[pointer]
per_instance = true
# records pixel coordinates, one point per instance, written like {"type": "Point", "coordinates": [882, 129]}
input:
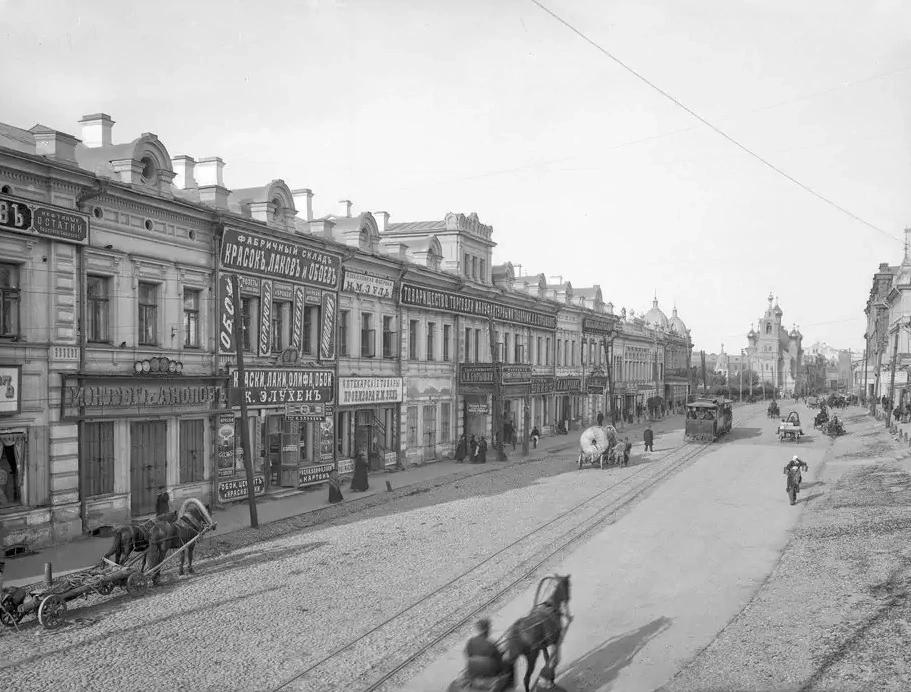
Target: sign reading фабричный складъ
{"type": "Point", "coordinates": [469, 305]}
{"type": "Point", "coordinates": [290, 261]}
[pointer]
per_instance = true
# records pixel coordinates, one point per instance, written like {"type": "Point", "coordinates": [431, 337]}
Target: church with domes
{"type": "Point", "coordinates": [773, 352]}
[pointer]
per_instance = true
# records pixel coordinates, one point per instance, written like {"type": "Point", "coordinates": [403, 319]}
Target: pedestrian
{"type": "Point", "coordinates": [482, 450]}
{"type": "Point", "coordinates": [359, 481]}
{"type": "Point", "coordinates": [473, 450]}
{"type": "Point", "coordinates": [335, 490]}
{"type": "Point", "coordinates": [162, 503]}
{"type": "Point", "coordinates": [461, 449]}
{"type": "Point", "coordinates": [627, 447]}
{"type": "Point", "coordinates": [535, 436]}
{"type": "Point", "coordinates": [600, 419]}
{"type": "Point", "coordinates": [648, 437]}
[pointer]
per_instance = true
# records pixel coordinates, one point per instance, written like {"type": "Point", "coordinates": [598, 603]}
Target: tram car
{"type": "Point", "coordinates": [707, 419]}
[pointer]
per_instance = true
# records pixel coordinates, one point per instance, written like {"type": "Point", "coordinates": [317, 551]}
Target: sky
{"type": "Point", "coordinates": [583, 170]}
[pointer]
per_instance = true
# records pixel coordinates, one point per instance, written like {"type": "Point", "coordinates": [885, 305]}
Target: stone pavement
{"type": "Point", "coordinates": [87, 551]}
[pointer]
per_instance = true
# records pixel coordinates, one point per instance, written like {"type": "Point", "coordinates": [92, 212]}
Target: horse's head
{"type": "Point", "coordinates": [198, 512]}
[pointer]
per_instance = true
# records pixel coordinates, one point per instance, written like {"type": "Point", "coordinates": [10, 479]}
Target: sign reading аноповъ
{"type": "Point", "coordinates": [285, 260]}
{"type": "Point", "coordinates": [420, 296]}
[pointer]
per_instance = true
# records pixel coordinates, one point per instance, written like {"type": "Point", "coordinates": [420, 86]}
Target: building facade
{"type": "Point", "coordinates": [134, 282]}
{"type": "Point", "coordinates": [774, 353]}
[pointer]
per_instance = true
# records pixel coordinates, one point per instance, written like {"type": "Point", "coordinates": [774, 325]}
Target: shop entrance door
{"type": "Point", "coordinates": [148, 464]}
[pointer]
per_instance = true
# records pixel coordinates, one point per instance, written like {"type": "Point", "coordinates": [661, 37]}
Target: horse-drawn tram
{"type": "Point", "coordinates": [708, 419]}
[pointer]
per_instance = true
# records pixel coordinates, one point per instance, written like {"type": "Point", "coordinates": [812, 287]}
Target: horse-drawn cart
{"type": "Point", "coordinates": [598, 446]}
{"type": "Point", "coordinates": [789, 428]}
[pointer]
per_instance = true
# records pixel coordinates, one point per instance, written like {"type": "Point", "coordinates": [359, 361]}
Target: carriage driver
{"type": "Point", "coordinates": [484, 658]}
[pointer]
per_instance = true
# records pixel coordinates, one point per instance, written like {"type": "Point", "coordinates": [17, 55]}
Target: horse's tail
{"type": "Point", "coordinates": [199, 505]}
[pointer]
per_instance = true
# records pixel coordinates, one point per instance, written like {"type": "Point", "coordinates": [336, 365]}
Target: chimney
{"type": "Point", "coordinates": [184, 169]}
{"type": "Point", "coordinates": [209, 171]}
{"type": "Point", "coordinates": [303, 201]}
{"type": "Point", "coordinates": [96, 130]}
{"type": "Point", "coordinates": [55, 145]}
{"type": "Point", "coordinates": [382, 220]}
{"type": "Point", "coordinates": [346, 207]}
{"type": "Point", "coordinates": [211, 183]}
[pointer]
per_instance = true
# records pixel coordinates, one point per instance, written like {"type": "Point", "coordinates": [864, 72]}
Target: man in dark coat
{"type": "Point", "coordinates": [649, 438]}
{"type": "Point", "coordinates": [482, 450]}
{"type": "Point", "coordinates": [600, 419]}
{"type": "Point", "coordinates": [461, 449]}
{"type": "Point", "coordinates": [484, 658]}
{"type": "Point", "coordinates": [627, 447]}
{"type": "Point", "coordinates": [473, 450]}
{"type": "Point", "coordinates": [359, 481]}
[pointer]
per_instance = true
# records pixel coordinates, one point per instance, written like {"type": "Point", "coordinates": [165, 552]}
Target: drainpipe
{"type": "Point", "coordinates": [400, 455]}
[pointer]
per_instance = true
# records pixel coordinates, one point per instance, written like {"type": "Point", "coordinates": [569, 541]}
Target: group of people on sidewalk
{"type": "Point", "coordinates": [472, 450]}
{"type": "Point", "coordinates": [359, 482]}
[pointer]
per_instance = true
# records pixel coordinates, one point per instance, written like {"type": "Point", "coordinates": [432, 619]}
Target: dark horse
{"type": "Point", "coordinates": [193, 519]}
{"type": "Point", "coordinates": [130, 539]}
{"type": "Point", "coordinates": [541, 631]}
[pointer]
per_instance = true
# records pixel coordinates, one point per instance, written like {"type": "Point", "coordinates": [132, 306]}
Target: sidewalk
{"type": "Point", "coordinates": [86, 551]}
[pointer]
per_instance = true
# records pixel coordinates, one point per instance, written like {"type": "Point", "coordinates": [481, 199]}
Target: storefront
{"type": "Point", "coordinates": [140, 436]}
{"type": "Point", "coordinates": [367, 420]}
{"type": "Point", "coordinates": [476, 386]}
{"type": "Point", "coordinates": [542, 389]}
{"type": "Point", "coordinates": [568, 396]}
{"type": "Point", "coordinates": [291, 426]}
{"type": "Point", "coordinates": [595, 389]}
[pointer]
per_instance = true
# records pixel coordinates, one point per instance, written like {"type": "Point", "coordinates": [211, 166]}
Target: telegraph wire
{"type": "Point", "coordinates": [714, 128]}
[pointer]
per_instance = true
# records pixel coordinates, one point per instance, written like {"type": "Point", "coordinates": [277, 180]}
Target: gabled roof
{"type": "Point", "coordinates": [16, 138]}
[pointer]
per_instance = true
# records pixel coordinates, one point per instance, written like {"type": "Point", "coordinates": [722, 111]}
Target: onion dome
{"type": "Point", "coordinates": [751, 334]}
{"type": "Point", "coordinates": [677, 324]}
{"type": "Point", "coordinates": [655, 317]}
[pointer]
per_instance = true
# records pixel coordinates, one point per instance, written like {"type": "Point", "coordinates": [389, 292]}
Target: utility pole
{"type": "Point", "coordinates": [741, 375]}
{"type": "Point", "coordinates": [497, 390]}
{"type": "Point", "coordinates": [610, 377]}
{"type": "Point", "coordinates": [892, 378]}
{"type": "Point", "coordinates": [244, 428]}
{"type": "Point", "coordinates": [705, 387]}
{"type": "Point", "coordinates": [866, 367]}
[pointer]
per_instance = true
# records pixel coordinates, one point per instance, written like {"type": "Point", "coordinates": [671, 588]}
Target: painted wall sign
{"type": "Point", "coordinates": [249, 285]}
{"type": "Point", "coordinates": [307, 412]}
{"type": "Point", "coordinates": [515, 374]}
{"type": "Point", "coordinates": [125, 396]}
{"type": "Point", "coordinates": [277, 387]}
{"type": "Point", "coordinates": [327, 329]}
{"type": "Point", "coordinates": [568, 384]}
{"type": "Point", "coordinates": [364, 284]}
{"type": "Point", "coordinates": [284, 260]}
{"type": "Point", "coordinates": [282, 292]}
{"type": "Point", "coordinates": [236, 488]}
{"type": "Point", "coordinates": [10, 389]}
{"type": "Point", "coordinates": [265, 319]}
{"type": "Point", "coordinates": [484, 373]}
{"type": "Point", "coordinates": [227, 310]}
{"type": "Point", "coordinates": [542, 385]}
{"type": "Point", "coordinates": [597, 325]}
{"type": "Point", "coordinates": [310, 475]}
{"type": "Point", "coordinates": [369, 390]}
{"type": "Point", "coordinates": [476, 409]}
{"type": "Point", "coordinates": [23, 216]}
{"type": "Point", "coordinates": [419, 296]}
{"type": "Point", "coordinates": [224, 445]}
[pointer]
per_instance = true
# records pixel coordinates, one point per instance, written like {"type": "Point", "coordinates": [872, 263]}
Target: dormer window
{"type": "Point", "coordinates": [276, 208]}
{"type": "Point", "coordinates": [149, 169]}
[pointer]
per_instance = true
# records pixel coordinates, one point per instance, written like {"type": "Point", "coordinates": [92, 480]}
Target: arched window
{"type": "Point", "coordinates": [768, 328]}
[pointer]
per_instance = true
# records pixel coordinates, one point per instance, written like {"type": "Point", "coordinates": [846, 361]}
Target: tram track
{"type": "Point", "coordinates": [555, 535]}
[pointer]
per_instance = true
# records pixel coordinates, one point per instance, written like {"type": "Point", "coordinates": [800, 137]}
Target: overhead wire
{"type": "Point", "coordinates": [597, 46]}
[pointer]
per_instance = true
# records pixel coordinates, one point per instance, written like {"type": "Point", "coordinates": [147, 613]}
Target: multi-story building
{"type": "Point", "coordinates": [774, 353]}
{"type": "Point", "coordinates": [133, 282]}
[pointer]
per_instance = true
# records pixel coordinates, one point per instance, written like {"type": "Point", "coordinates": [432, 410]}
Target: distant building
{"type": "Point", "coordinates": [773, 352]}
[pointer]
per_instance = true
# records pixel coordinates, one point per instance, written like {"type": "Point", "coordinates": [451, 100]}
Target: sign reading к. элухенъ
{"type": "Point", "coordinates": [369, 390]}
{"type": "Point", "coordinates": [284, 260]}
{"type": "Point", "coordinates": [469, 305]}
{"type": "Point", "coordinates": [22, 216]}
{"type": "Point", "coordinates": [278, 386]}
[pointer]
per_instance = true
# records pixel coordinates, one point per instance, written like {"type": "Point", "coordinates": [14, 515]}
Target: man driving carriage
{"type": "Point", "coordinates": [485, 660]}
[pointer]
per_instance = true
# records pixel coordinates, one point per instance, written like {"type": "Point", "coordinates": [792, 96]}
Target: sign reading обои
{"type": "Point", "coordinates": [469, 305]}
{"type": "Point", "coordinates": [278, 259]}
{"type": "Point", "coordinates": [276, 386]}
{"type": "Point", "coordinates": [369, 390]}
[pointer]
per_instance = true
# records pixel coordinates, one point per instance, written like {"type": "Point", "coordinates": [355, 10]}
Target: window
{"type": "Point", "coordinates": [248, 306]}
{"type": "Point", "coordinates": [96, 319]}
{"type": "Point", "coordinates": [477, 346]}
{"type": "Point", "coordinates": [467, 358]}
{"type": "Point", "coordinates": [504, 354]}
{"type": "Point", "coordinates": [279, 322]}
{"type": "Point", "coordinates": [547, 360]}
{"type": "Point", "coordinates": [474, 267]}
{"type": "Point", "coordinates": [467, 267]}
{"type": "Point", "coordinates": [572, 353]}
{"type": "Point", "coordinates": [538, 353]}
{"type": "Point", "coordinates": [447, 338]}
{"type": "Point", "coordinates": [192, 454]}
{"type": "Point", "coordinates": [431, 337]}
{"type": "Point", "coordinates": [368, 336]}
{"type": "Point", "coordinates": [413, 339]}
{"type": "Point", "coordinates": [430, 428]}
{"type": "Point", "coordinates": [518, 348]}
{"type": "Point", "coordinates": [559, 351]}
{"type": "Point", "coordinates": [97, 459]}
{"type": "Point", "coordinates": [148, 314]}
{"type": "Point", "coordinates": [9, 295]}
{"type": "Point", "coordinates": [482, 272]}
{"type": "Point", "coordinates": [389, 346]}
{"type": "Point", "coordinates": [445, 408]}
{"type": "Point", "coordinates": [191, 318]}
{"type": "Point", "coordinates": [768, 328]}
{"type": "Point", "coordinates": [311, 325]}
{"type": "Point", "coordinates": [412, 426]}
{"type": "Point", "coordinates": [343, 332]}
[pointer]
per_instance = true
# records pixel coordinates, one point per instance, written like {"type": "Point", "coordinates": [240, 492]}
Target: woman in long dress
{"type": "Point", "coordinates": [359, 481]}
{"type": "Point", "coordinates": [335, 491]}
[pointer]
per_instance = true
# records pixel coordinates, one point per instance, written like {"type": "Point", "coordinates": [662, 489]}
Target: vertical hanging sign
{"type": "Point", "coordinates": [265, 318]}
{"type": "Point", "coordinates": [327, 333]}
{"type": "Point", "coordinates": [227, 313]}
{"type": "Point", "coordinates": [297, 323]}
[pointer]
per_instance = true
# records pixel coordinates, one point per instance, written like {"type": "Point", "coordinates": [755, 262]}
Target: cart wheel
{"type": "Point", "coordinates": [137, 584]}
{"type": "Point", "coordinates": [105, 588]}
{"type": "Point", "coordinates": [52, 611]}
{"type": "Point", "coordinates": [9, 616]}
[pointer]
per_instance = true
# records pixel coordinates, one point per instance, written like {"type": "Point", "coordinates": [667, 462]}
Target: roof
{"type": "Point", "coordinates": [17, 138]}
{"type": "Point", "coordinates": [415, 226]}
{"type": "Point", "coordinates": [709, 403]}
